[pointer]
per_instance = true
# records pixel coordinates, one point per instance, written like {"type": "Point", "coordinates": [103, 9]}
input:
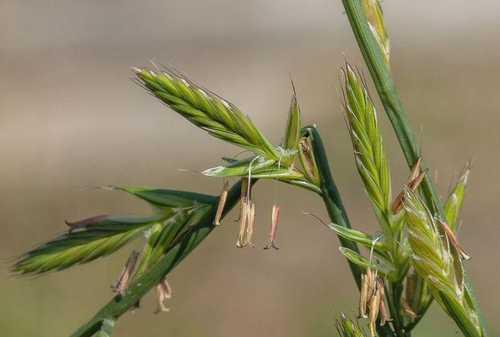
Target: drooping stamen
{"type": "Point", "coordinates": [307, 160]}
{"type": "Point", "coordinates": [222, 203]}
{"type": "Point", "coordinates": [121, 284]}
{"type": "Point", "coordinates": [85, 222]}
{"type": "Point", "coordinates": [414, 181]}
{"type": "Point", "coordinates": [415, 172]}
{"type": "Point", "coordinates": [247, 213]}
{"type": "Point", "coordinates": [240, 243]}
{"type": "Point", "coordinates": [384, 313]}
{"type": "Point", "coordinates": [163, 293]}
{"type": "Point", "coordinates": [374, 307]}
{"type": "Point", "coordinates": [363, 297]}
{"type": "Point", "coordinates": [275, 219]}
{"type": "Point", "coordinates": [250, 224]}
{"type": "Point", "coordinates": [408, 310]}
{"type": "Point", "coordinates": [452, 238]}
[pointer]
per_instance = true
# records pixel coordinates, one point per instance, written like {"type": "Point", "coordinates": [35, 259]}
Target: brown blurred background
{"type": "Point", "coordinates": [70, 119]}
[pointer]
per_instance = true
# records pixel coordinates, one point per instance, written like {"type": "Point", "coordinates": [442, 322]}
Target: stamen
{"type": "Point", "coordinates": [414, 181]}
{"type": "Point", "coordinates": [415, 172]}
{"type": "Point", "coordinates": [240, 243]}
{"type": "Point", "coordinates": [275, 219]}
{"type": "Point", "coordinates": [384, 313]}
{"type": "Point", "coordinates": [452, 238]}
{"type": "Point", "coordinates": [163, 293]}
{"type": "Point", "coordinates": [85, 222]}
{"type": "Point", "coordinates": [122, 284]}
{"type": "Point", "coordinates": [409, 311]}
{"type": "Point", "coordinates": [222, 203]}
{"type": "Point", "coordinates": [363, 298]}
{"type": "Point", "coordinates": [307, 159]}
{"type": "Point", "coordinates": [250, 224]}
{"type": "Point", "coordinates": [374, 309]}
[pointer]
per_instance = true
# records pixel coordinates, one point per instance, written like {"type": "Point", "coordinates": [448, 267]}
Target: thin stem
{"type": "Point", "coordinates": [389, 96]}
{"type": "Point", "coordinates": [381, 75]}
{"type": "Point", "coordinates": [331, 196]}
{"type": "Point", "coordinates": [335, 207]}
{"type": "Point", "coordinates": [185, 245]}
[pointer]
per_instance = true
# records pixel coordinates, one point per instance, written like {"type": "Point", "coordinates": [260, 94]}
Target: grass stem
{"type": "Point", "coordinates": [389, 96]}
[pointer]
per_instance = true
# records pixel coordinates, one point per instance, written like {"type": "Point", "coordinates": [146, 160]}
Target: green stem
{"type": "Point", "coordinates": [335, 207]}
{"type": "Point", "coordinates": [389, 96]}
{"type": "Point", "coordinates": [331, 196]}
{"type": "Point", "coordinates": [381, 75]}
{"type": "Point", "coordinates": [140, 287]}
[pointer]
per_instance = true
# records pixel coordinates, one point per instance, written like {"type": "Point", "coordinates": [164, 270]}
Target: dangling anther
{"type": "Point", "coordinates": [363, 297]}
{"type": "Point", "coordinates": [85, 222]}
{"type": "Point", "coordinates": [374, 307]}
{"type": "Point", "coordinates": [222, 204]}
{"type": "Point", "coordinates": [121, 284]}
{"type": "Point", "coordinates": [250, 225]}
{"type": "Point", "coordinates": [247, 212]}
{"type": "Point", "coordinates": [275, 219]}
{"type": "Point", "coordinates": [163, 293]}
{"type": "Point", "coordinates": [384, 313]}
{"type": "Point", "coordinates": [414, 180]}
{"type": "Point", "coordinates": [408, 310]}
{"type": "Point", "coordinates": [452, 238]}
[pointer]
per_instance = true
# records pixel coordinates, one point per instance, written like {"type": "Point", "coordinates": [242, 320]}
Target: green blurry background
{"type": "Point", "coordinates": [71, 119]}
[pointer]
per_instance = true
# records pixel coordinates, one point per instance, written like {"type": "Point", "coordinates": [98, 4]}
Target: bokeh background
{"type": "Point", "coordinates": [71, 119]}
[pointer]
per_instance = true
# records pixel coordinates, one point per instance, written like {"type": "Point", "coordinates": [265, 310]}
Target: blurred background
{"type": "Point", "coordinates": [71, 119]}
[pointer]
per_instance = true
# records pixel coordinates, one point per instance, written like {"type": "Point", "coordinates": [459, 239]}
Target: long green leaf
{"type": "Point", "coordinates": [83, 245]}
{"type": "Point", "coordinates": [101, 236]}
{"type": "Point", "coordinates": [180, 249]}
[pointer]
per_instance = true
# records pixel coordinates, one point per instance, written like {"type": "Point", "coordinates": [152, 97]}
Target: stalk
{"type": "Point", "coordinates": [119, 305]}
{"type": "Point", "coordinates": [331, 196]}
{"type": "Point", "coordinates": [389, 96]}
{"type": "Point", "coordinates": [381, 76]}
{"type": "Point", "coordinates": [335, 207]}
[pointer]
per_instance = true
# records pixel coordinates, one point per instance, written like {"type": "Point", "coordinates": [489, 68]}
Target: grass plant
{"type": "Point", "coordinates": [417, 258]}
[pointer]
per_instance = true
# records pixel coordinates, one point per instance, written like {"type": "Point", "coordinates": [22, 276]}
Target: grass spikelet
{"type": "Point", "coordinates": [371, 160]}
{"type": "Point", "coordinates": [436, 261]}
{"type": "Point", "coordinates": [292, 134]}
{"type": "Point", "coordinates": [100, 236]}
{"type": "Point", "coordinates": [206, 110]}
{"type": "Point", "coordinates": [375, 16]}
{"type": "Point", "coordinates": [455, 200]}
{"type": "Point", "coordinates": [348, 328]}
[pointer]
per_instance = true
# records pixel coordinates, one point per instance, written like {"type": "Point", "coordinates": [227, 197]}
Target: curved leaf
{"type": "Point", "coordinates": [100, 236]}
